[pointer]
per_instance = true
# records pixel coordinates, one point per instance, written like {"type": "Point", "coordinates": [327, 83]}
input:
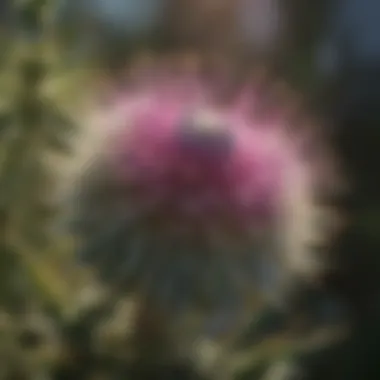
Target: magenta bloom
{"type": "Point", "coordinates": [202, 162]}
{"type": "Point", "coordinates": [198, 198]}
{"type": "Point", "coordinates": [203, 159]}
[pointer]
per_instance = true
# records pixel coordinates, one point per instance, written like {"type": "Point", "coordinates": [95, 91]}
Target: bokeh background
{"type": "Point", "coordinates": [55, 322]}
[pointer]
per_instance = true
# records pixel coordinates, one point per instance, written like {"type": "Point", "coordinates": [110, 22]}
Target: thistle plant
{"type": "Point", "coordinates": [201, 193]}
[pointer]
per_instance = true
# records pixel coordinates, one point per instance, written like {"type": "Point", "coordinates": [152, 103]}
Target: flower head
{"type": "Point", "coordinates": [199, 184]}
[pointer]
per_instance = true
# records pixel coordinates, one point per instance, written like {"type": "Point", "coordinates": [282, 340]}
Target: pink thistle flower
{"type": "Point", "coordinates": [193, 195]}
